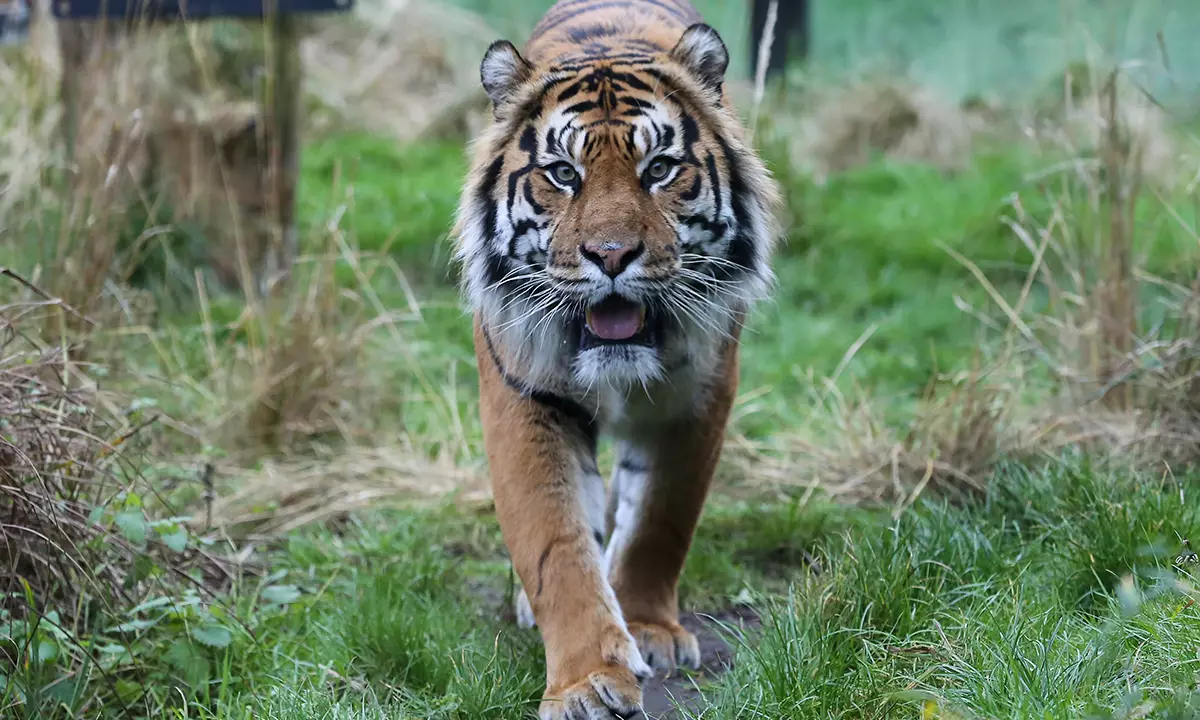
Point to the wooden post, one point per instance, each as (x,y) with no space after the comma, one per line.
(283,110)
(275,246)
(792,34)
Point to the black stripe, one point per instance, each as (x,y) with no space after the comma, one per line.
(668,137)
(710,163)
(691,136)
(587,63)
(571,91)
(607,121)
(531,109)
(542,562)
(635,102)
(582,106)
(533,203)
(567,407)
(694,191)
(631,80)
(564,13)
(495,269)
(741,248)
(591,32)
(485,195)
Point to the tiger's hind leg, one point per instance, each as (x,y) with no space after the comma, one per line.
(657,495)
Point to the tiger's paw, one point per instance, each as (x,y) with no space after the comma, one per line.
(666,646)
(612,689)
(603,694)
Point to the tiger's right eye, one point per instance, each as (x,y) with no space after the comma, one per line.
(563,173)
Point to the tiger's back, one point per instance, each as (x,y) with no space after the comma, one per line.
(614,231)
(578,31)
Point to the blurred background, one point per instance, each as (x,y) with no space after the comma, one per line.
(238,412)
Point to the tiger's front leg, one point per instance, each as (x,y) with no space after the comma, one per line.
(538,457)
(658,491)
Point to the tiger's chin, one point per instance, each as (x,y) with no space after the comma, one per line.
(619,345)
(618,366)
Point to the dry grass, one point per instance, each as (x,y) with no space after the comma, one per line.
(1078,372)
(1123,391)
(168,126)
(961,428)
(288,493)
(302,367)
(846,126)
(1084,104)
(70,460)
(406,69)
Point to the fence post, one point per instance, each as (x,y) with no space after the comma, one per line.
(793,34)
(283,111)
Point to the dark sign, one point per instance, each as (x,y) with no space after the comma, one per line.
(14,21)
(191,9)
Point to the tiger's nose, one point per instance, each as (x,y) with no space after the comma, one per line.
(612,257)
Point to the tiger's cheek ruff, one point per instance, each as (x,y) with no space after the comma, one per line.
(504,235)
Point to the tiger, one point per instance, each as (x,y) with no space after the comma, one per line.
(613,231)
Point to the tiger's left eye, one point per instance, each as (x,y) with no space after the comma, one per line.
(564,173)
(658,169)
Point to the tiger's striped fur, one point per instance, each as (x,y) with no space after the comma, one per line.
(614,230)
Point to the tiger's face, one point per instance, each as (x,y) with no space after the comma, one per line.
(615,224)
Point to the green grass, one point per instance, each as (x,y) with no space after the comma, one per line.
(1010,607)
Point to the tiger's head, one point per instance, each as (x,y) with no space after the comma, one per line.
(615,223)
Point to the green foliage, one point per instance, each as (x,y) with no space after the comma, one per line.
(976,609)
(387,197)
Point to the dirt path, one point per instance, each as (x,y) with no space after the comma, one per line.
(664,699)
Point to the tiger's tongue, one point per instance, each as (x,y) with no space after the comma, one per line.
(615,321)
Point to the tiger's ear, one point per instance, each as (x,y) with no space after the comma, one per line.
(502,71)
(702,52)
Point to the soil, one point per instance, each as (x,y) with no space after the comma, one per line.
(678,696)
(669,698)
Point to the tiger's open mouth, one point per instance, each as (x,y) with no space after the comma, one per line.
(616,321)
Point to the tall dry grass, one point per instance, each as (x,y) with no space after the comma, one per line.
(1076,365)
(168,145)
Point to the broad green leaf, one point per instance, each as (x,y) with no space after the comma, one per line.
(177,540)
(212,635)
(132,525)
(281,594)
(133,626)
(47,651)
(189,661)
(113,649)
(151,604)
(129,691)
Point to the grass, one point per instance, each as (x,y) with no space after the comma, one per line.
(949,605)
(1009,606)
(396,613)
(1052,595)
